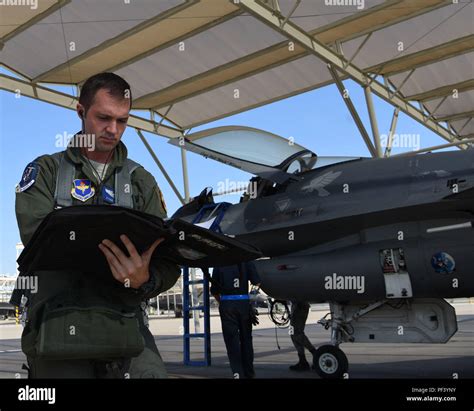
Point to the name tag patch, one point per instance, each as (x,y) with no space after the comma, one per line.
(108,195)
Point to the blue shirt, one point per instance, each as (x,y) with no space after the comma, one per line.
(233,279)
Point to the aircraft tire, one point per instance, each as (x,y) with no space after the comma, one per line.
(330,362)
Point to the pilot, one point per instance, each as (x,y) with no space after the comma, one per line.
(298,317)
(94,169)
(230,288)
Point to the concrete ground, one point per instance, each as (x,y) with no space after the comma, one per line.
(365,360)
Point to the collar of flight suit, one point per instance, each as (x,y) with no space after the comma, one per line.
(119,156)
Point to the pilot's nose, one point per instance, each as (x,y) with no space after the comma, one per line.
(112,128)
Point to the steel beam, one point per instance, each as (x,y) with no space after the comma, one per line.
(363,22)
(457,116)
(373,120)
(393,127)
(424,57)
(321,51)
(79,68)
(184,164)
(293,9)
(353,111)
(57,98)
(37,18)
(424,150)
(160,166)
(443,91)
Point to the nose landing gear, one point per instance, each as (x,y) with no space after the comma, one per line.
(330,361)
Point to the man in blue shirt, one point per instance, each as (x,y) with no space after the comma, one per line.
(230,288)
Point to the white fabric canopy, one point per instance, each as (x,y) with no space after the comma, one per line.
(208,59)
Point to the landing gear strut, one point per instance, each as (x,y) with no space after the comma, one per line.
(329,360)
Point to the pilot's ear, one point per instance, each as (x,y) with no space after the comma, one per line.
(81,112)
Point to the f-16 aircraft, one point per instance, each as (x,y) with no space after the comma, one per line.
(383,240)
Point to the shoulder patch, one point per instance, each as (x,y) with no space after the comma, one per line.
(29,177)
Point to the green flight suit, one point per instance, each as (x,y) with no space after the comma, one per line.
(33,203)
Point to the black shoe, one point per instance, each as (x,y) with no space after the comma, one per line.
(300,366)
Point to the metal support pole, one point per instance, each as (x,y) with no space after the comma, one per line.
(174,302)
(353,111)
(157,125)
(157,298)
(192,271)
(160,166)
(186,339)
(464,146)
(393,126)
(184,163)
(194,296)
(423,111)
(195,302)
(373,120)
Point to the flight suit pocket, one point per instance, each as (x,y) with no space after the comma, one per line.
(75,332)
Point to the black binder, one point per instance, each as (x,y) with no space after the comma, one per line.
(68,239)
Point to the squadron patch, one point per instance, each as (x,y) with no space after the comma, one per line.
(108,195)
(28,178)
(82,189)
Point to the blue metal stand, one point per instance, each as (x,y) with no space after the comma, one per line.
(211,210)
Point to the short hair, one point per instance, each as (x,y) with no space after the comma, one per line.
(115,85)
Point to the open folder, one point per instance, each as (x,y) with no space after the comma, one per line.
(68,238)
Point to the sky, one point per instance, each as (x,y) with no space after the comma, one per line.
(317,120)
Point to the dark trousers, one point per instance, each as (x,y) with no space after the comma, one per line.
(237,331)
(299,315)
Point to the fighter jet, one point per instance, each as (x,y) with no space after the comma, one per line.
(383,240)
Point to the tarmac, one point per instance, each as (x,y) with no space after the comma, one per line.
(274,351)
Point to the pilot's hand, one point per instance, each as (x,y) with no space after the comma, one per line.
(131,271)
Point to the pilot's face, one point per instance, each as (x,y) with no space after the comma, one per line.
(106,119)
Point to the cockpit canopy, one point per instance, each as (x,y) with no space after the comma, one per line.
(258,152)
